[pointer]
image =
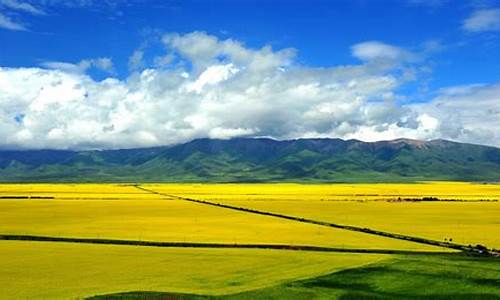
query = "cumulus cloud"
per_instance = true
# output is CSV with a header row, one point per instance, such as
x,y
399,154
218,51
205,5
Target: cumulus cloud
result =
x,y
467,113
483,20
203,50
102,63
222,89
136,60
163,61
212,75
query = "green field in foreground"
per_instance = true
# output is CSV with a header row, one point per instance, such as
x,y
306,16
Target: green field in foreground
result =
x,y
440,277
38,270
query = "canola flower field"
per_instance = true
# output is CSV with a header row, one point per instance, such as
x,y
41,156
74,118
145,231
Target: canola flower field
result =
x,y
174,221
458,191
466,213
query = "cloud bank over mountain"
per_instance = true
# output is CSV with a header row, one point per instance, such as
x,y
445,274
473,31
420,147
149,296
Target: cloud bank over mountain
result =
x,y
209,87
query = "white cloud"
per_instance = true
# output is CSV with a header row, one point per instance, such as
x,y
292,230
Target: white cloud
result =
x,y
14,6
163,61
102,63
212,75
227,133
204,50
483,20
466,113
376,50
136,60
63,66
8,23
220,88
43,7
21,6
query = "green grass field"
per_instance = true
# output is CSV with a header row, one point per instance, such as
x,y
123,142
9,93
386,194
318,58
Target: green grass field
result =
x,y
440,277
39,270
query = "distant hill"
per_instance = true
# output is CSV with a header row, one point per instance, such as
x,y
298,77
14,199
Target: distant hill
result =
x,y
260,160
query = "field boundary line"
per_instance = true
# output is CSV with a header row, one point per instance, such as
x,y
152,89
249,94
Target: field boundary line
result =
x,y
476,250
38,238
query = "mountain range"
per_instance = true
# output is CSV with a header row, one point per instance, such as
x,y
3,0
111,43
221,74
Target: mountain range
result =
x,y
260,160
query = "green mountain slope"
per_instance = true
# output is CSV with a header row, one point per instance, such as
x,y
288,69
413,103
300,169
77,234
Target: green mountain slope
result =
x,y
260,160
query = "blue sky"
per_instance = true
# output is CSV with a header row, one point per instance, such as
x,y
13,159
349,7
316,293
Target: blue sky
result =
x,y
322,31
430,48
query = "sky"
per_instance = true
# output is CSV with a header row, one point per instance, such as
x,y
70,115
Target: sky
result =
x,y
109,74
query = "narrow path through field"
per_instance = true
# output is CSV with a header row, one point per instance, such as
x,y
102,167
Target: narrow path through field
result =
x,y
465,248
38,238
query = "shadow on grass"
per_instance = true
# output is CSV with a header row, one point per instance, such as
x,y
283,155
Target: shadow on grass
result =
x,y
437,277
138,295
374,296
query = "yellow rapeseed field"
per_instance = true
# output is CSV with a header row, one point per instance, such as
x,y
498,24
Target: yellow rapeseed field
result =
x,y
92,212
174,220
115,211
357,192
466,220
75,191
38,270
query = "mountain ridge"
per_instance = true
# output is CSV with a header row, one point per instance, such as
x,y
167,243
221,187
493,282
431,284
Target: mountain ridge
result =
x,y
260,160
